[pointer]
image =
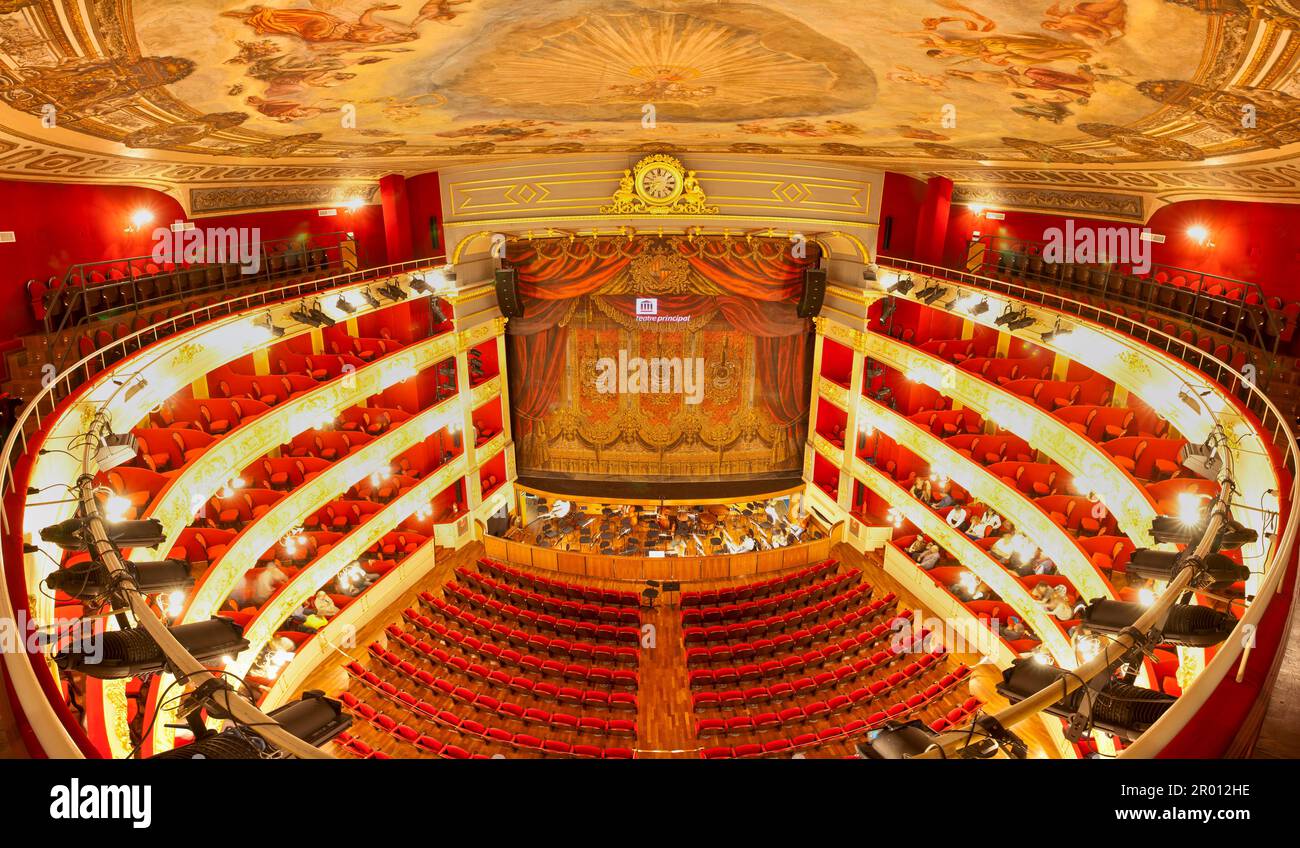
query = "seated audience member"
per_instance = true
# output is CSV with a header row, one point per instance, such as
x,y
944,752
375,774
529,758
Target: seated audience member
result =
x,y
264,585
1013,630
969,588
930,558
1042,565
1004,549
1056,600
921,490
945,500
982,526
917,547
957,517
324,604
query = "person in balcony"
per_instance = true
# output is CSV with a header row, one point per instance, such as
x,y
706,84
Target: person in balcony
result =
x,y
921,490
957,517
917,547
945,500
985,525
324,604
1013,630
930,558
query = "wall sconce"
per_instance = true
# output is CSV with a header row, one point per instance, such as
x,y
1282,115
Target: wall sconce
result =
x,y
139,219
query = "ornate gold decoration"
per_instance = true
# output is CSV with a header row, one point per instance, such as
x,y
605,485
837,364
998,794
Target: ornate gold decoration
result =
x,y
659,185
660,271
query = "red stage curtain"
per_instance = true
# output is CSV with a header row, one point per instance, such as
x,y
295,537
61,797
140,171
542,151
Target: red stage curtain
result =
x,y
768,273
555,275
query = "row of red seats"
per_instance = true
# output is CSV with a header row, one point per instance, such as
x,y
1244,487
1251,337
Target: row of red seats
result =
x,y
538,602
541,689
768,606
805,741
506,634
860,697
486,703
559,588
467,727
785,643
595,675
841,674
796,620
566,627
752,591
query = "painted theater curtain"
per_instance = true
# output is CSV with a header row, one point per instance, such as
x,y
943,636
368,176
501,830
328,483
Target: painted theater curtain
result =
x,y
751,286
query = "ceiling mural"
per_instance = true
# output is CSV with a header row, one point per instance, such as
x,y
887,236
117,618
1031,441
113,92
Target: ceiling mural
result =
x,y
314,90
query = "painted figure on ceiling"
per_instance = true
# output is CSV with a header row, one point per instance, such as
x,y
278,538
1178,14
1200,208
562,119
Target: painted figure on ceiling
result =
x,y
1097,21
318,27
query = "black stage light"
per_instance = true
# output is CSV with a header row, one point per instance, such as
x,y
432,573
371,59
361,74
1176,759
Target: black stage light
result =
x,y
1057,332
1169,528
1232,535
1007,316
1193,626
315,719
369,297
391,290
133,652
869,273
115,449
1215,570
268,323
311,315
91,580
344,304
71,535
980,308
230,744
1023,320
439,317
1119,708
898,741
903,286
1201,460
419,285
931,294
134,388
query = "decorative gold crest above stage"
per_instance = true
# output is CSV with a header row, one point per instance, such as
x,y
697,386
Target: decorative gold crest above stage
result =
x,y
659,358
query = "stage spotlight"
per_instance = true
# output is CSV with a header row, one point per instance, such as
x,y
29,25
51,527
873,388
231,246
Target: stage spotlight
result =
x,y
90,579
133,652
344,304
980,308
369,297
1008,314
898,741
134,388
1119,708
1174,529
930,294
71,534
230,744
1233,534
311,315
268,323
391,290
1189,401
1201,460
902,287
115,449
1186,624
1021,321
439,317
419,285
314,718
1057,332
1214,570
870,272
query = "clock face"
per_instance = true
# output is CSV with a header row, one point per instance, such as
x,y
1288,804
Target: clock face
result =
x,y
659,184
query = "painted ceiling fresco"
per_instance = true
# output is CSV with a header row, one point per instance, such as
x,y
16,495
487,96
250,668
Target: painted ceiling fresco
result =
x,y
355,87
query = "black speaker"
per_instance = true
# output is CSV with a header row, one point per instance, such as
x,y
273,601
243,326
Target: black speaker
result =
x,y
508,294
814,292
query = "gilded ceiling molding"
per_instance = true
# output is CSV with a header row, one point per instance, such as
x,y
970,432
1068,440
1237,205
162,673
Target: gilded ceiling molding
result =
x,y
1090,203
241,198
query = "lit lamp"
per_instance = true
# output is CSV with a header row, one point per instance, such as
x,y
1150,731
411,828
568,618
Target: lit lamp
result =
x,y
1200,234
139,219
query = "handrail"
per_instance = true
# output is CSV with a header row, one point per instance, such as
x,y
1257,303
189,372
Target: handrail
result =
x,y
1284,440
71,380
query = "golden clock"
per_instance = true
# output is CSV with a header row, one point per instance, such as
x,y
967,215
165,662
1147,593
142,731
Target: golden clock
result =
x,y
659,185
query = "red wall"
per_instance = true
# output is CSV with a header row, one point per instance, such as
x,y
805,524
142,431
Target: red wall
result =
x,y
901,201
1257,242
57,225
424,199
